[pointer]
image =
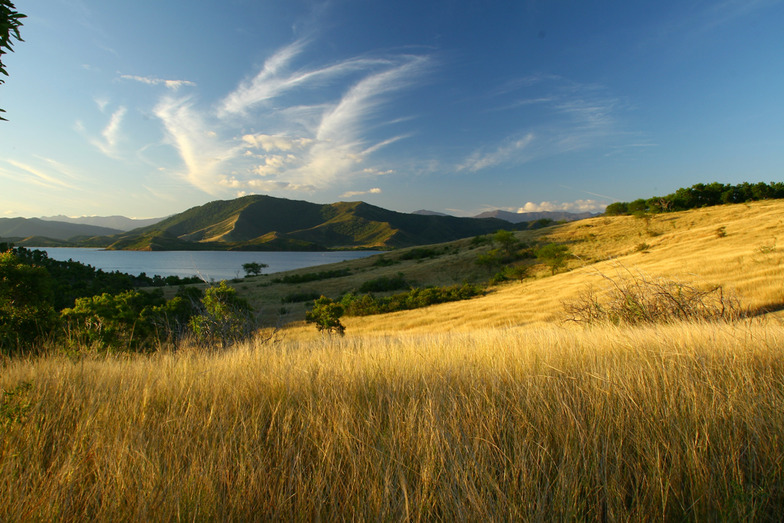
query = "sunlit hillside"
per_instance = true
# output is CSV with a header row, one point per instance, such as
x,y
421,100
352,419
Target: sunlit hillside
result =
x,y
735,246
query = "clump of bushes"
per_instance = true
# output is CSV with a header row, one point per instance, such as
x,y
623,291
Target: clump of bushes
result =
x,y
296,297
142,321
636,299
381,261
385,284
419,253
367,304
313,276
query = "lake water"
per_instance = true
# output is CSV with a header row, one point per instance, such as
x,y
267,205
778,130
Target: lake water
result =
x,y
208,265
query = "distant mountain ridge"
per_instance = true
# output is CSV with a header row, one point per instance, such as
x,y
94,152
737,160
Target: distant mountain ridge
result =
x,y
119,223
20,228
520,217
260,222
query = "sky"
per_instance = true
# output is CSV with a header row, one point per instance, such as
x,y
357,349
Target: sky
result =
x,y
148,108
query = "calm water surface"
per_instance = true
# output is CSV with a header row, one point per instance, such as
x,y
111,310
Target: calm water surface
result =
x,y
209,265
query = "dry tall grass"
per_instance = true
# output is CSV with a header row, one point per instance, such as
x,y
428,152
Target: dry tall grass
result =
x,y
746,260
669,422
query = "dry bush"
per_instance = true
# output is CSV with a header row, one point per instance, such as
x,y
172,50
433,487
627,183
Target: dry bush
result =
x,y
633,298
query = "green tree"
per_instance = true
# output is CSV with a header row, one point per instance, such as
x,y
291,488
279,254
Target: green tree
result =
x,y
326,315
114,321
10,22
553,255
508,242
26,297
225,318
254,268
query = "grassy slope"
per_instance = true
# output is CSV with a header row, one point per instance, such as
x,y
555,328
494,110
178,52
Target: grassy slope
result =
x,y
684,246
478,411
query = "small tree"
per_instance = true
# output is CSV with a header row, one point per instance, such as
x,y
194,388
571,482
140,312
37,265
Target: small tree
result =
x,y
508,241
553,255
326,315
225,318
254,268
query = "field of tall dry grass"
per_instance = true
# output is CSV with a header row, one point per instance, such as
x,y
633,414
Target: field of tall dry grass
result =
x,y
495,408
668,422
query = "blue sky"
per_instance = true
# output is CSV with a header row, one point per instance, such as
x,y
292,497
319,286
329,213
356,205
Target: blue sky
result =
x,y
147,108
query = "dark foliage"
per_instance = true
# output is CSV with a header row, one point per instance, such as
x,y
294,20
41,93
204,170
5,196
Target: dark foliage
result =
x,y
419,253
700,195
326,315
385,284
367,304
312,276
296,297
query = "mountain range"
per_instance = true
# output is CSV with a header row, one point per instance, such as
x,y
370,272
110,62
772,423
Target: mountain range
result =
x,y
260,222
119,223
17,229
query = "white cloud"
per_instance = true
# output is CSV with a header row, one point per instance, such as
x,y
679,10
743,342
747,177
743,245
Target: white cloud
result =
x,y
269,185
110,136
575,206
506,152
351,194
377,172
275,78
297,147
170,84
278,142
38,176
201,150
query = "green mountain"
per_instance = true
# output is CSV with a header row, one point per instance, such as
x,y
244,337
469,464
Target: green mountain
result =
x,y
266,223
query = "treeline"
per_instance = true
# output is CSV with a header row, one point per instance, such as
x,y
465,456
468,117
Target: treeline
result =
x,y
415,298
75,306
700,195
72,280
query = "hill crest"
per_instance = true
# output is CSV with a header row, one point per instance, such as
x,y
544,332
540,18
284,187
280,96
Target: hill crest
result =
x,y
261,222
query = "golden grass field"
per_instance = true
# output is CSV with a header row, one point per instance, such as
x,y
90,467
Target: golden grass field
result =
x,y
490,409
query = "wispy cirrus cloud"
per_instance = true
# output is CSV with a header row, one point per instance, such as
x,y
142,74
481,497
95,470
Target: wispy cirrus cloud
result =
x,y
300,146
150,80
510,150
109,139
565,116
202,150
38,176
275,78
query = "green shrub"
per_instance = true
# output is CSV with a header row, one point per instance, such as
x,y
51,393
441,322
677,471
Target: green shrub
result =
x,y
553,255
113,321
385,284
26,304
326,315
419,253
367,304
313,276
224,319
296,297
